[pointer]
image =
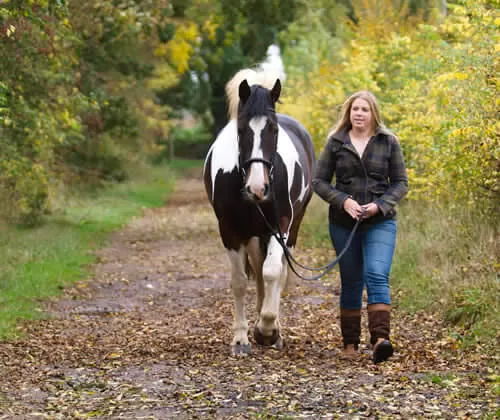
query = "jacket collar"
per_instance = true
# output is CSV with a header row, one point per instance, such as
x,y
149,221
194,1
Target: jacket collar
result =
x,y
343,135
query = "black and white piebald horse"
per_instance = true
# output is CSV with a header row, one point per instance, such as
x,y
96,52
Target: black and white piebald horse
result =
x,y
260,158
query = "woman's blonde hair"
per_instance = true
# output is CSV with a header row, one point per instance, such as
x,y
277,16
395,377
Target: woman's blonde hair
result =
x,y
344,121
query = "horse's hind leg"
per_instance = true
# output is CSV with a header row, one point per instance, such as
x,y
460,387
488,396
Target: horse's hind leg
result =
x,y
256,259
239,281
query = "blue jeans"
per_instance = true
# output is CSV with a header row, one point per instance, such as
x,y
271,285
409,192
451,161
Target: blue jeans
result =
x,y
367,261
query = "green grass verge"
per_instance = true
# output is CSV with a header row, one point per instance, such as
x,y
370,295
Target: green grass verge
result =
x,y
37,263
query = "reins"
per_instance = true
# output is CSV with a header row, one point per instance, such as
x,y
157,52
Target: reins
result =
x,y
276,233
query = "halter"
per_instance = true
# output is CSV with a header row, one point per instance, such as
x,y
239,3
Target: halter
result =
x,y
267,163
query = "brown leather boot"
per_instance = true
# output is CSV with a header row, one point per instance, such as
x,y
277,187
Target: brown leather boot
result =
x,y
350,326
379,324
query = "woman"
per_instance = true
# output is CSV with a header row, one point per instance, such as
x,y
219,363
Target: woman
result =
x,y
370,179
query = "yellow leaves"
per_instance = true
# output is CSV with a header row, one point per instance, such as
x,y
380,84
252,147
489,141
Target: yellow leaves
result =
x,y
462,132
10,30
378,19
209,28
452,76
163,78
113,356
161,50
180,48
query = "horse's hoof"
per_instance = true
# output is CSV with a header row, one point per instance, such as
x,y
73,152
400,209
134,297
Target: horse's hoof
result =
x,y
280,344
266,340
240,349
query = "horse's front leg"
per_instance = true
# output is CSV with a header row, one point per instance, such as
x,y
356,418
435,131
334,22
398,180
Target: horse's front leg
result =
x,y
239,281
267,330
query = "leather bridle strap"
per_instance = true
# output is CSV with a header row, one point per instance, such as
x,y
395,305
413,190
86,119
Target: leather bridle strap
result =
x,y
267,163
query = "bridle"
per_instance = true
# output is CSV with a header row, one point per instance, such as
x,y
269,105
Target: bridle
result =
x,y
267,163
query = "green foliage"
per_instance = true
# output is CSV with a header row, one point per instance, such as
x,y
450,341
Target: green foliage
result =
x,y
226,37
38,262
447,262
187,142
70,109
37,110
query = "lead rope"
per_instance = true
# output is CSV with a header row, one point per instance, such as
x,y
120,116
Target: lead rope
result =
x,y
291,260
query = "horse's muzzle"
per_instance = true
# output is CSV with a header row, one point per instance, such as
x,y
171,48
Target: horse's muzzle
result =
x,y
258,194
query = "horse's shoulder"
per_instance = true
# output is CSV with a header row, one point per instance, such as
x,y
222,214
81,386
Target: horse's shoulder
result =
x,y
223,152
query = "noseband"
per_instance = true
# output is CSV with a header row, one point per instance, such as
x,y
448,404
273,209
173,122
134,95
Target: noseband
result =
x,y
267,163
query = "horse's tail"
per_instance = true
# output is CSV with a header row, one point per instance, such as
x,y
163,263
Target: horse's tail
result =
x,y
265,78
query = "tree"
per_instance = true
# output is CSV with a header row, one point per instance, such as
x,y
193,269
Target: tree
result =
x,y
231,35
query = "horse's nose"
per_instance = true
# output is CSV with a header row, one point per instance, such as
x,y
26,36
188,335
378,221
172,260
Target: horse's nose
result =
x,y
258,193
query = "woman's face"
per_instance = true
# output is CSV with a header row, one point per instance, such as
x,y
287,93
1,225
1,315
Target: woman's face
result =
x,y
361,115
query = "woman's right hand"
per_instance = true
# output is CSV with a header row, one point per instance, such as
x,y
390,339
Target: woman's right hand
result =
x,y
352,208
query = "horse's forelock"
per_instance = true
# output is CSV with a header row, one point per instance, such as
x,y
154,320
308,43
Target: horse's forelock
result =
x,y
258,104
266,79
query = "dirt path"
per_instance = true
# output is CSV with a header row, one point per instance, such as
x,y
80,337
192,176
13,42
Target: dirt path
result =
x,y
148,337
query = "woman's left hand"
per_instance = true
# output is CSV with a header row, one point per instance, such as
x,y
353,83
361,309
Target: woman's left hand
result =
x,y
371,210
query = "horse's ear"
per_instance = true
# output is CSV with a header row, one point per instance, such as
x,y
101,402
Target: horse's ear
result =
x,y
276,90
244,91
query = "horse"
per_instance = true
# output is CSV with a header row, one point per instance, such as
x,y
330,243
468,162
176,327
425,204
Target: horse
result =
x,y
257,176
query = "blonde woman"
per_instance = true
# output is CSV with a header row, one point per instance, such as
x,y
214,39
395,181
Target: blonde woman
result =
x,y
370,179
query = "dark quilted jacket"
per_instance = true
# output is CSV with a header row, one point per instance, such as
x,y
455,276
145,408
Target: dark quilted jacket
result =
x,y
379,176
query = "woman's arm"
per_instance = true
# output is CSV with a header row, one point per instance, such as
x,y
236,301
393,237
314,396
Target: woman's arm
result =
x,y
398,179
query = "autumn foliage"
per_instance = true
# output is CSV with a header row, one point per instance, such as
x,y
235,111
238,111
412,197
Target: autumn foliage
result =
x,y
88,87
437,82
74,102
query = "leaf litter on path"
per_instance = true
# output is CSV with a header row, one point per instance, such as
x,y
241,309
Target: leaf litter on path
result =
x,y
147,336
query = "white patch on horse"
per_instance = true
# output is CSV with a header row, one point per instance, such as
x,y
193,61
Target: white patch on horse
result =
x,y
224,152
290,156
274,275
256,177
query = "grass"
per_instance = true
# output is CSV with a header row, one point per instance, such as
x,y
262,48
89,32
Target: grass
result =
x,y
446,262
182,165
37,263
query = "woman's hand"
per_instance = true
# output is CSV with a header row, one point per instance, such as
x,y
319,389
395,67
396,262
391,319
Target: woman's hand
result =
x,y
353,208
371,210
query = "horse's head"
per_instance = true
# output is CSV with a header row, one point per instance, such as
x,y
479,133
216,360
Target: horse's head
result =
x,y
257,138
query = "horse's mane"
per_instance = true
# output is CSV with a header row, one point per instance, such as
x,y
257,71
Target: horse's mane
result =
x,y
266,79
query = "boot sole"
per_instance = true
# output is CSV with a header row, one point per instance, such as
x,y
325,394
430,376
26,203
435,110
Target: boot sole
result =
x,y
382,352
